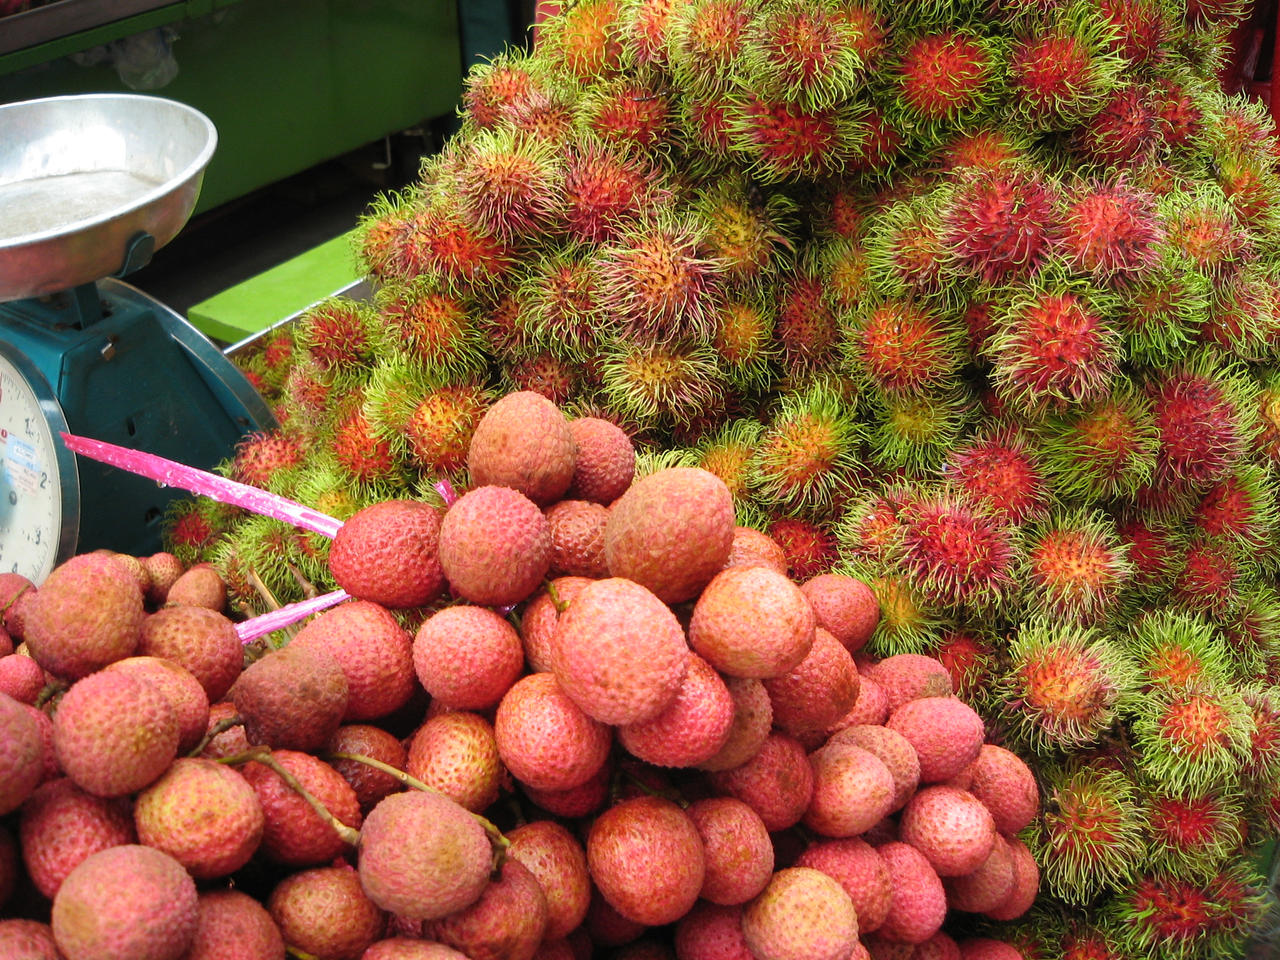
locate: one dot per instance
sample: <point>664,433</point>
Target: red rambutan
<point>905,248</point>
<point>585,39</point>
<point>1184,919</point>
<point>903,348</point>
<point>1203,412</point>
<point>704,42</point>
<point>604,191</point>
<point>1240,509</point>
<point>984,149</point>
<point>510,184</point>
<point>1151,550</point>
<point>646,26</point>
<point>446,247</point>
<point>803,52</point>
<point>1111,231</point>
<point>493,88</point>
<point>439,430</point>
<point>627,114</point>
<point>1000,224</point>
<point>945,76</point>
<point>1205,232</point>
<point>1176,649</point>
<point>1192,835</point>
<point>810,547</point>
<point>365,456</point>
<point>956,553</point>
<point>1076,567</point>
<point>1124,132</point>
<point>1000,468</point>
<point>1208,577</point>
<point>561,306</point>
<point>782,140</point>
<point>1192,739</point>
<point>544,373</point>
<point>870,526</point>
<point>807,329</point>
<point>707,121</point>
<point>1139,28</point>
<point>1102,450</point>
<point>267,460</point>
<point>433,327</point>
<point>335,333</point>
<point>1063,73</point>
<point>806,451</point>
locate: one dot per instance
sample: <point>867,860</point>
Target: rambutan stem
<point>171,474</point>
<point>223,725</point>
<point>289,614</point>
<point>262,755</point>
<point>499,842</point>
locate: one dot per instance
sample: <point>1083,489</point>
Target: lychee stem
<point>300,954</point>
<point>210,485</point>
<point>262,755</point>
<point>48,692</point>
<point>499,842</point>
<point>560,605</point>
<point>309,589</point>
<point>672,795</point>
<point>262,589</point>
<point>250,630</point>
<point>223,725</point>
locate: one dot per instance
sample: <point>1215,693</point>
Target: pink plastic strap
<point>287,615</point>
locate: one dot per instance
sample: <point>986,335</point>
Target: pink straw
<point>171,474</point>
<point>291,613</point>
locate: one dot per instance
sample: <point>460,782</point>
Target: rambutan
<point>728,453</point>
<point>645,26</point>
<point>902,348</point>
<point>704,42</point>
<point>561,306</point>
<point>803,52</point>
<point>657,280</point>
<point>1263,760</point>
<point>381,235</point>
<point>492,87</point>
<point>604,191</point>
<point>1065,684</point>
<point>1161,314</point>
<point>1192,835</point>
<point>548,116</point>
<point>1054,349</point>
<point>1241,508</point>
<point>268,460</point>
<point>807,330</point>
<point>433,327</point>
<point>191,527</point>
<point>842,262</point>
<point>1111,231</point>
<point>706,120</point>
<point>1076,567</point>
<point>905,248</point>
<point>1177,649</point>
<point>1208,577</point>
<point>336,333</point>
<point>810,547</point>
<point>1092,835</point>
<point>870,525</point>
<point>968,658</point>
<point>1000,468</point>
<point>880,142</point>
<point>1064,72</point>
<point>946,77</point>
<point>627,114</point>
<point>1192,739</point>
<point>671,382</point>
<point>908,623</point>
<point>1267,411</point>
<point>1152,551</point>
<point>841,211</point>
<point>1253,189</point>
<point>1000,224</point>
<point>326,487</point>
<point>510,184</point>
<point>744,338</point>
<point>1139,29</point>
<point>444,246</point>
<point>544,373</point>
<point>1103,450</point>
<point>781,140</point>
<point>1124,132</point>
<point>957,553</point>
<point>1242,316</point>
<point>438,431</point>
<point>1182,919</point>
<point>984,149</point>
<point>1204,415</point>
<point>1216,13</point>
<point>584,41</point>
<point>1181,119</point>
<point>749,234</point>
<point>914,432</point>
<point>366,457</point>
<point>1205,232</point>
<point>806,451</point>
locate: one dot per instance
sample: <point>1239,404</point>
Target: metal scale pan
<point>90,187</point>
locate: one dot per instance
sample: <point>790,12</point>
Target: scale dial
<point>39,485</point>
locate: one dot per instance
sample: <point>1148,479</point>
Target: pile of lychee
<point>571,711</point>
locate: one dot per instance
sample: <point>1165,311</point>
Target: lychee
<point>495,546</point>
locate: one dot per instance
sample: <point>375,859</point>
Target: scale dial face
<point>39,486</point>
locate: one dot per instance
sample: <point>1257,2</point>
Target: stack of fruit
<point>700,759</point>
<point>974,300</point>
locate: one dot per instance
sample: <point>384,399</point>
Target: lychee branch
<point>262,755</point>
<point>500,843</point>
<point>172,474</point>
<point>222,726</point>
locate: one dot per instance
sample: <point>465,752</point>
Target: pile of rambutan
<point>976,300</point>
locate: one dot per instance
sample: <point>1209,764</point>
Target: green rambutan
<point>656,279</point>
<point>1000,224</point>
<point>781,140</point>
<point>1065,684</point>
<point>803,51</point>
<point>585,40</point>
<point>632,116</point>
<point>807,330</point>
<point>1102,450</point>
<point>1064,72</point>
<point>744,338</point>
<point>1124,133</point>
<point>1091,838</point>
<point>510,184</point>
<point>307,393</point>
<point>704,42</point>
<point>669,382</point>
<point>905,249</point>
<point>908,623</point>
<point>1054,348</point>
<point>1216,13</point>
<point>1111,231</point>
<point>381,234</point>
<point>1204,415</point>
<point>957,553</point>
<point>728,454</point>
<point>1177,649</point>
<point>561,306</point>
<point>269,554</point>
<point>1242,316</point>
<point>902,348</point>
<point>1192,739</point>
<point>806,451</point>
<point>645,26</point>
<point>438,431</point>
<point>336,333</point>
<point>1183,919</point>
<point>604,191</point>
<point>1205,233</point>
<point>1140,29</point>
<point>842,263</point>
<point>1076,567</point>
<point>946,78</point>
<point>1208,577</point>
<point>1000,468</point>
<point>1240,509</point>
<point>869,527</point>
<point>1161,313</point>
<point>544,373</point>
<point>915,432</point>
<point>326,487</point>
<point>748,233</point>
<point>432,327</point>
<point>810,547</point>
<point>1192,835</point>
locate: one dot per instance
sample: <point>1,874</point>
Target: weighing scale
<point>90,187</point>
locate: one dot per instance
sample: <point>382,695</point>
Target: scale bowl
<point>81,177</point>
